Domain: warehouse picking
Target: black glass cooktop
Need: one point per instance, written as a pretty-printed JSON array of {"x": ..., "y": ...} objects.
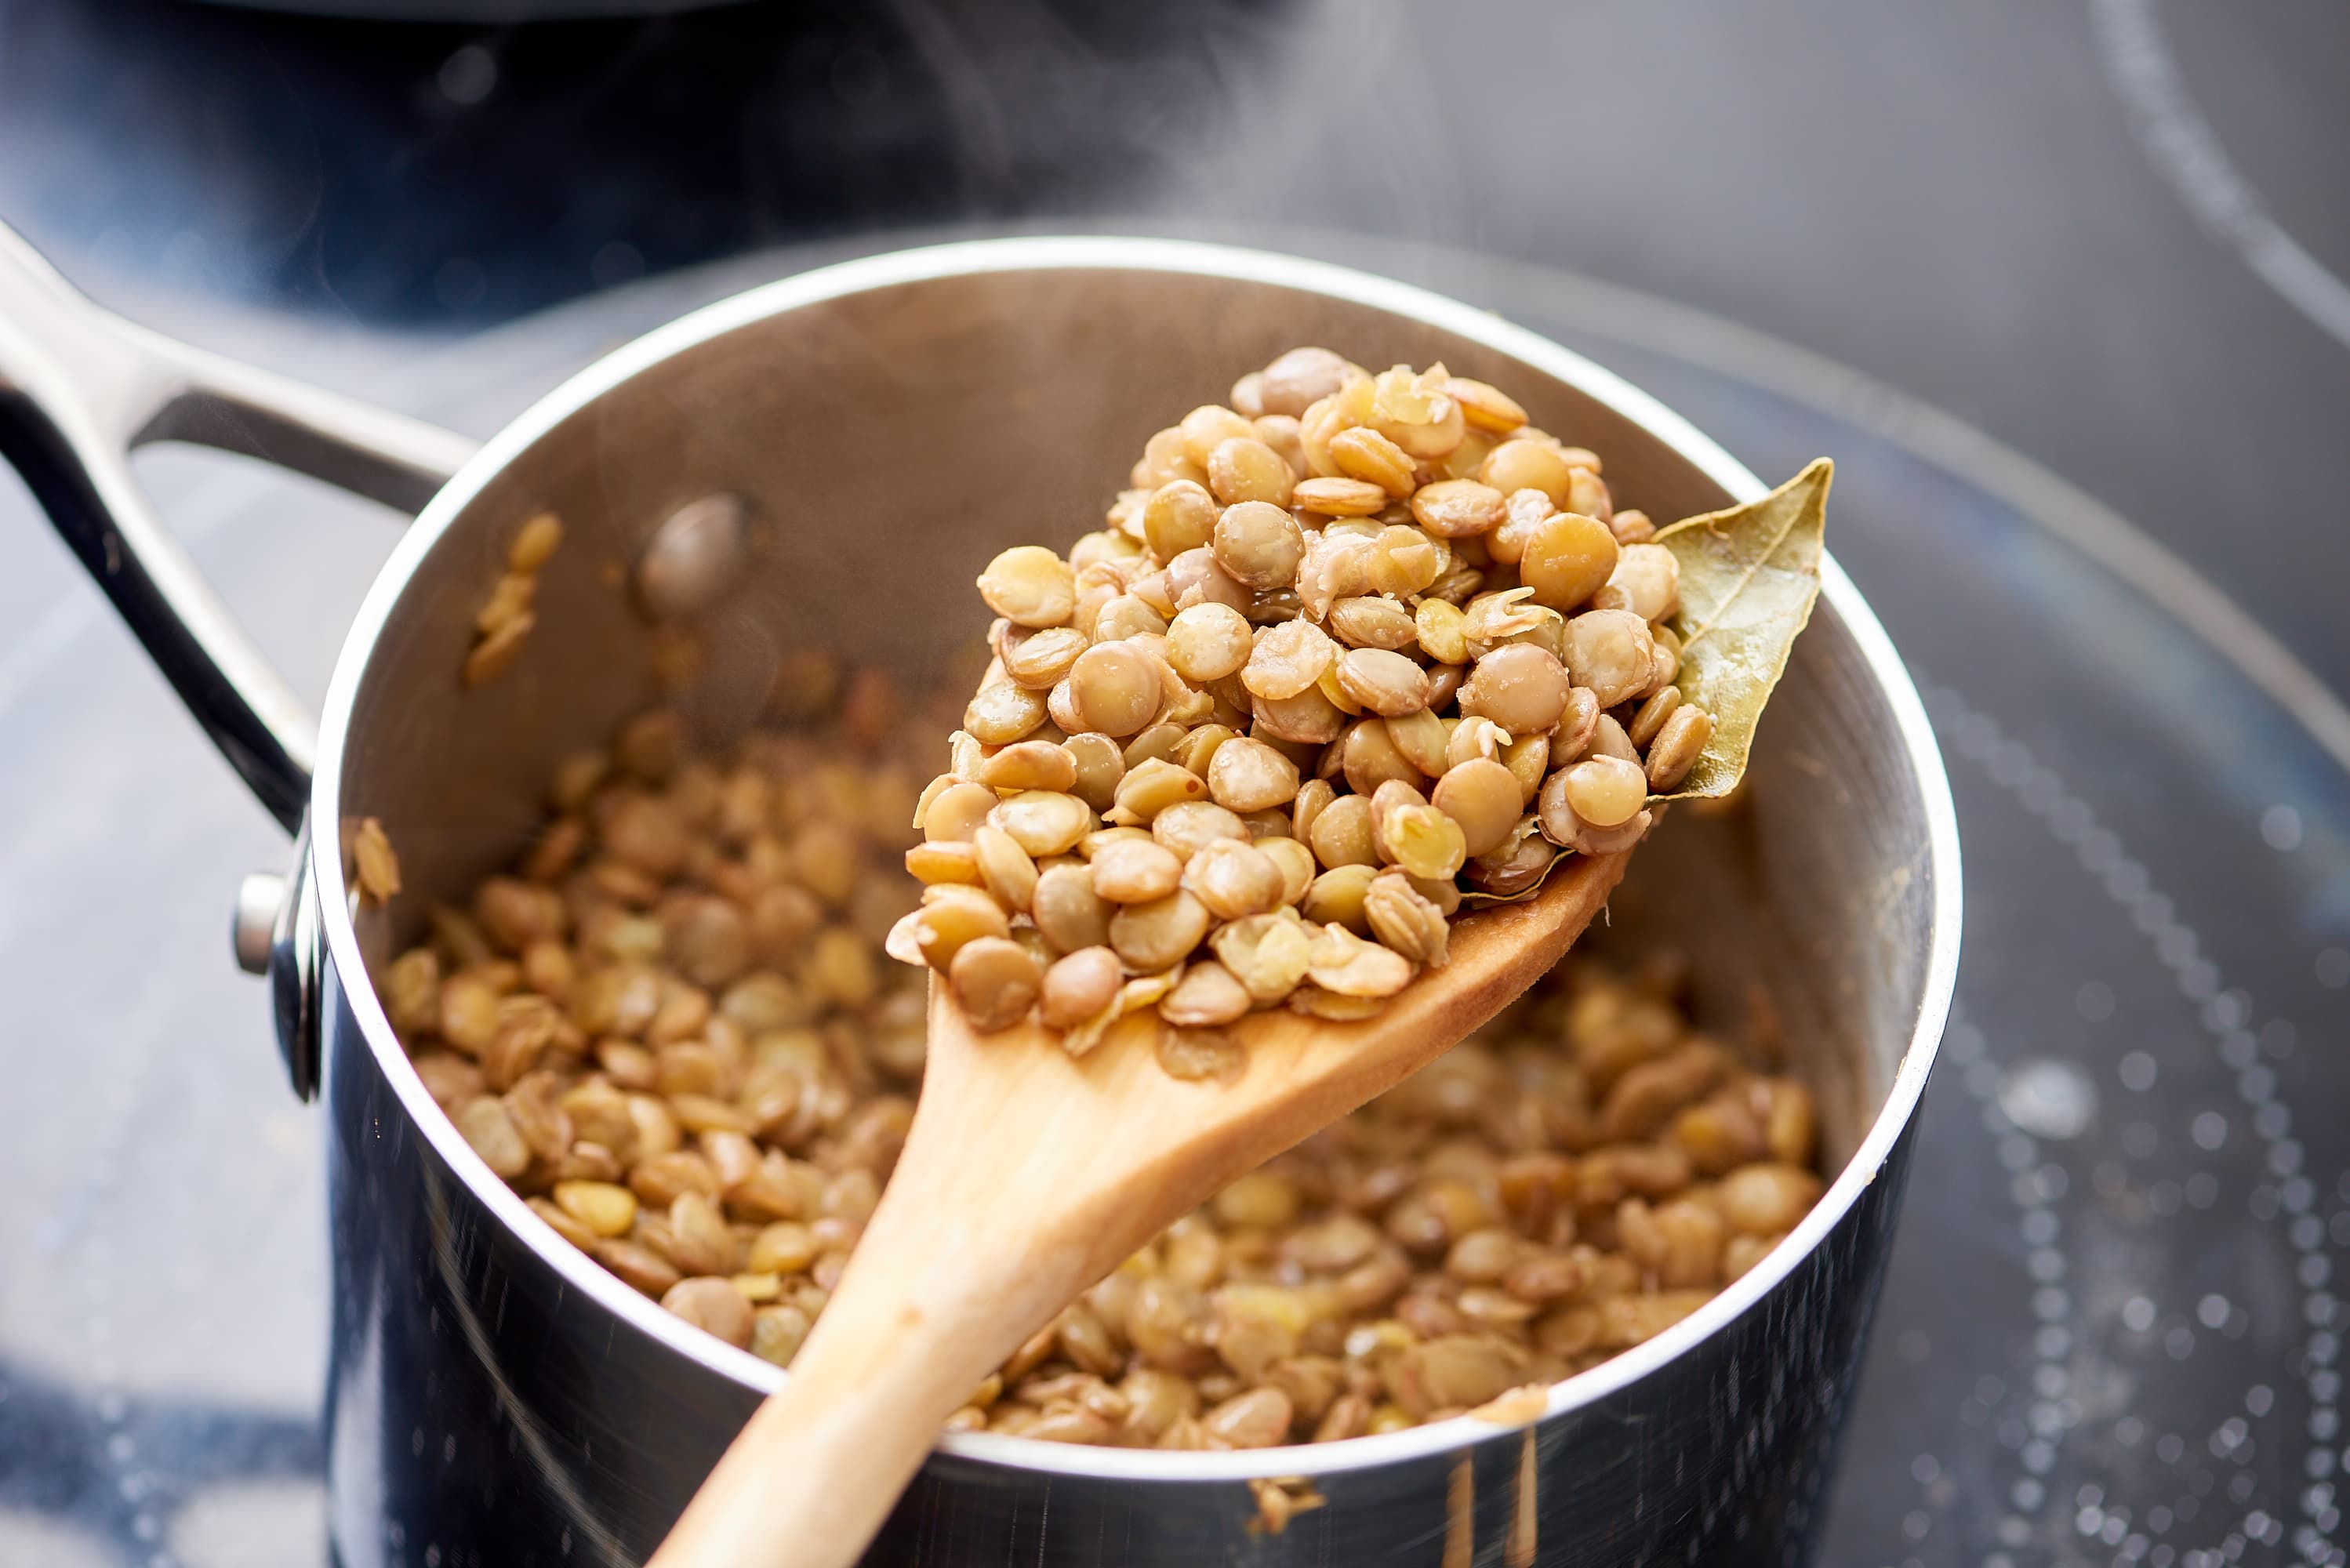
[
  {"x": 2086, "y": 243},
  {"x": 2109, "y": 1332}
]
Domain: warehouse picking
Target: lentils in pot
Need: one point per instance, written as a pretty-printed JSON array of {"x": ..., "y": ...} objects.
[
  {"x": 1349, "y": 651},
  {"x": 1575, "y": 1178},
  {"x": 668, "y": 1027}
]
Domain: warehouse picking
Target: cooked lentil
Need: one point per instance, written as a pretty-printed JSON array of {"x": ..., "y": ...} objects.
[
  {"x": 374, "y": 866},
  {"x": 505, "y": 618}
]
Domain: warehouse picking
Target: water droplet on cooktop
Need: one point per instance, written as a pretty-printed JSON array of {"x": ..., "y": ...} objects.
[{"x": 2048, "y": 1097}]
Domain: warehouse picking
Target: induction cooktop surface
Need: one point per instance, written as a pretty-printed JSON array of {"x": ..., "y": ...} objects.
[
  {"x": 2061, "y": 288},
  {"x": 2109, "y": 1330}
]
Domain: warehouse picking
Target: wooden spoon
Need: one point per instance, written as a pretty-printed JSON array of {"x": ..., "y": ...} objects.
[{"x": 1027, "y": 1175}]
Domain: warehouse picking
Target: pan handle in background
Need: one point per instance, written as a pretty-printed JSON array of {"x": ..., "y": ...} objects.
[{"x": 80, "y": 388}]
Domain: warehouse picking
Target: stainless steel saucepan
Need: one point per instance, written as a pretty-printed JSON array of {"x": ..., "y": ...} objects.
[{"x": 829, "y": 460}]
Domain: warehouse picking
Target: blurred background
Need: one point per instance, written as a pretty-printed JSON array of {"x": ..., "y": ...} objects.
[{"x": 2063, "y": 287}]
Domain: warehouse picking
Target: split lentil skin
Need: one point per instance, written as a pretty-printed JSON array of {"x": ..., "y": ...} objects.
[
  {"x": 1344, "y": 586},
  {"x": 699, "y": 1076}
]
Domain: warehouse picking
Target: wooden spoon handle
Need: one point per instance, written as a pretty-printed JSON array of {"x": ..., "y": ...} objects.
[
  {"x": 942, "y": 1289},
  {"x": 812, "y": 1476},
  {"x": 819, "y": 1466},
  {"x": 1026, "y": 1175}
]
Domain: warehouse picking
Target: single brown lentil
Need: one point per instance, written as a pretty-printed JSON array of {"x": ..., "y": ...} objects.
[{"x": 376, "y": 867}]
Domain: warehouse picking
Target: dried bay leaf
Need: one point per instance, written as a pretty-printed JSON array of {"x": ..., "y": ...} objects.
[{"x": 1749, "y": 578}]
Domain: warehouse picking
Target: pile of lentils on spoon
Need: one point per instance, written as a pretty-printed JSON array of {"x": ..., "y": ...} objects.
[{"x": 1349, "y": 651}]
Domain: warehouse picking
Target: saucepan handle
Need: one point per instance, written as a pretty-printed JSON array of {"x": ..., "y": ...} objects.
[{"x": 80, "y": 388}]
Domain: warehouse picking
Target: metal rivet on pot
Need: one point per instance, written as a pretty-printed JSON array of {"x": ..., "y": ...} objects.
[
  {"x": 258, "y": 898},
  {"x": 694, "y": 556}
]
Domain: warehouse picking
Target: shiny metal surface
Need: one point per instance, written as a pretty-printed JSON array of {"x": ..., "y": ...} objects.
[
  {"x": 82, "y": 389},
  {"x": 297, "y": 960},
  {"x": 495, "y": 1398},
  {"x": 253, "y": 924}
]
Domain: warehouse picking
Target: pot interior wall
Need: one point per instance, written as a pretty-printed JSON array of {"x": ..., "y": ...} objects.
[{"x": 891, "y": 441}]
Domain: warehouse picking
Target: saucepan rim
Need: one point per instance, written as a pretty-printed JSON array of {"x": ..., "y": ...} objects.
[{"x": 1099, "y": 253}]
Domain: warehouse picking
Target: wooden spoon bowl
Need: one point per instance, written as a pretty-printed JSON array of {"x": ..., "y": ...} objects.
[{"x": 1027, "y": 1175}]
